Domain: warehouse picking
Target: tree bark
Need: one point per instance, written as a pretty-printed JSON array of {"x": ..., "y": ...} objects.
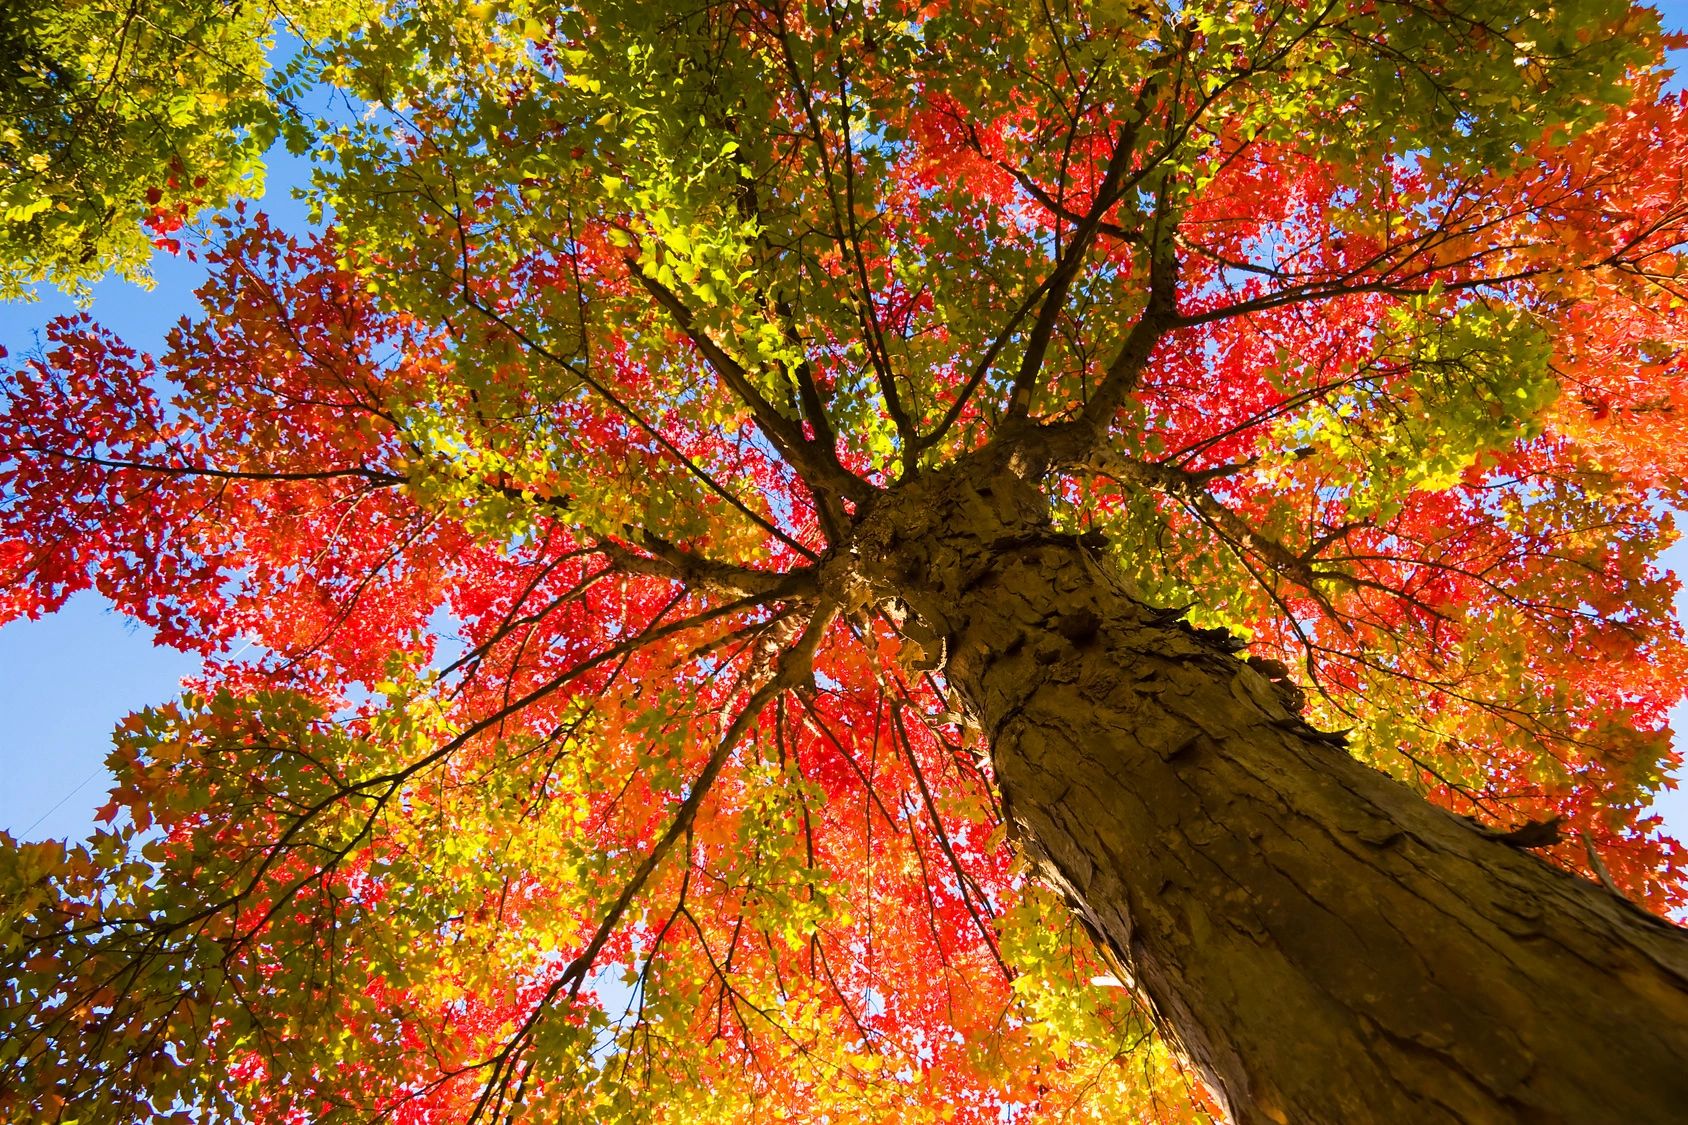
[{"x": 1324, "y": 944}]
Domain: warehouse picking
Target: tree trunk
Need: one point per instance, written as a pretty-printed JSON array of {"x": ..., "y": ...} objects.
[{"x": 1321, "y": 942}]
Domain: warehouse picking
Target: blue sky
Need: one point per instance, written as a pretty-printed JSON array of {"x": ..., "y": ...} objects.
[{"x": 67, "y": 679}]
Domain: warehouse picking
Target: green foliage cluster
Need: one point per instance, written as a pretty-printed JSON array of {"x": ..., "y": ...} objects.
[{"x": 122, "y": 122}]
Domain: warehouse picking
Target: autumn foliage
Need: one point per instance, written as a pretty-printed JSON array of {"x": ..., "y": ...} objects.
[{"x": 543, "y": 767}]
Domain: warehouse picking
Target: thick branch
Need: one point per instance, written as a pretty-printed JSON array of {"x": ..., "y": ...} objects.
[
  {"x": 1072, "y": 442},
  {"x": 817, "y": 465},
  {"x": 669, "y": 561},
  {"x": 1067, "y": 268}
]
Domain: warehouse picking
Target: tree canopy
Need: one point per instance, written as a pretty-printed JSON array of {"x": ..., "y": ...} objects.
[
  {"x": 562, "y": 750},
  {"x": 124, "y": 122}
]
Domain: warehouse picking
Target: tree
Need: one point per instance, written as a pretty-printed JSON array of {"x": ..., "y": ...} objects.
[
  {"x": 124, "y": 122},
  {"x": 893, "y": 562}
]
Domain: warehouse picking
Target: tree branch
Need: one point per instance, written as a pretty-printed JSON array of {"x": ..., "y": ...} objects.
[
  {"x": 817, "y": 465},
  {"x": 669, "y": 561},
  {"x": 1067, "y": 267},
  {"x": 793, "y": 668}
]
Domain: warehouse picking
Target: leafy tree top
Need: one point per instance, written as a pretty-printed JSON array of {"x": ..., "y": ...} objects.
[{"x": 584, "y": 769}]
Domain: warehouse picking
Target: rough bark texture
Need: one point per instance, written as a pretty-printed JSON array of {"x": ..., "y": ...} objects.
[{"x": 1326, "y": 945}]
